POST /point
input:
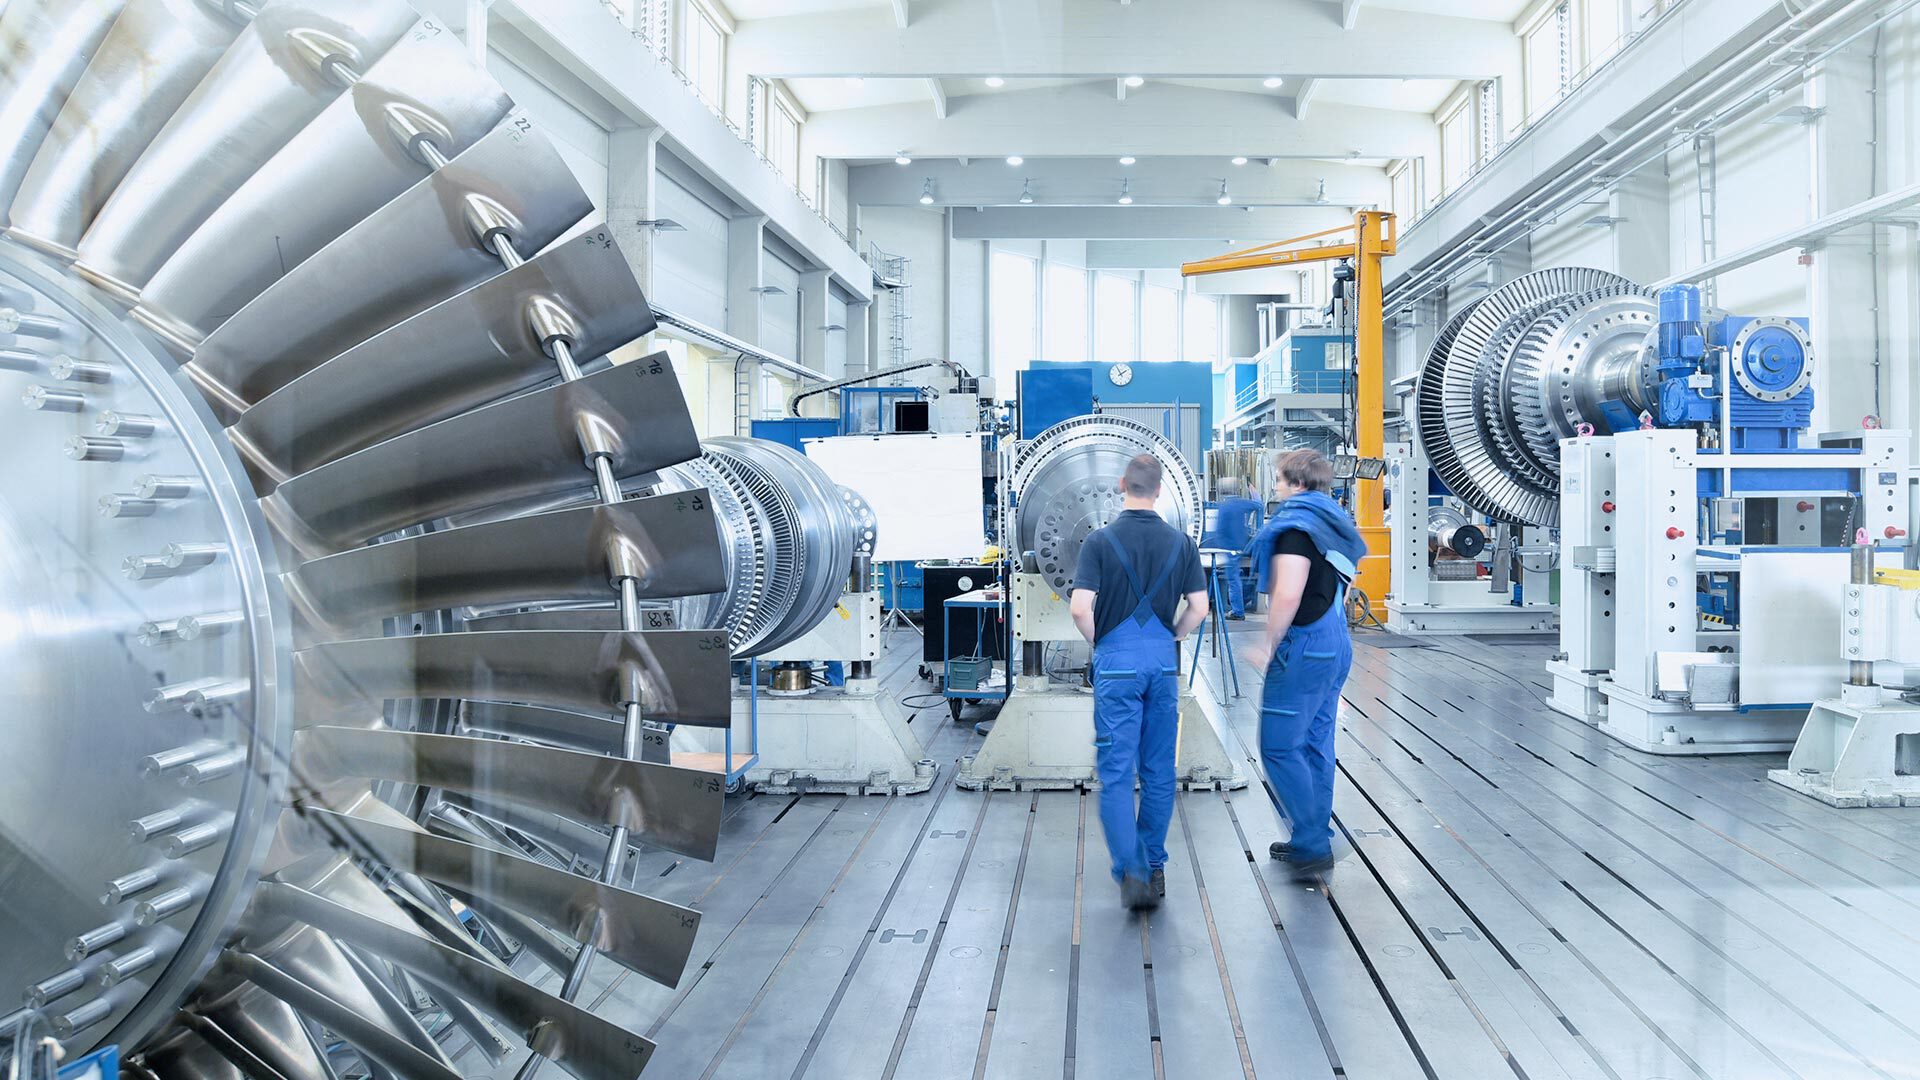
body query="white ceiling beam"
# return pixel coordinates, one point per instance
(1234, 224)
(1349, 14)
(1083, 120)
(1302, 97)
(900, 14)
(1152, 181)
(1101, 39)
(939, 98)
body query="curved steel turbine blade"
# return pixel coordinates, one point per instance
(583, 1044)
(156, 53)
(366, 1033)
(521, 448)
(425, 246)
(360, 152)
(555, 727)
(677, 676)
(47, 44)
(666, 543)
(650, 936)
(480, 345)
(280, 72)
(664, 805)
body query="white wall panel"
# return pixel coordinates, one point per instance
(690, 267)
(780, 312)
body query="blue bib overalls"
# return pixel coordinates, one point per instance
(1297, 707)
(1136, 725)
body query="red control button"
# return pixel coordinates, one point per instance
(1606, 507)
(1803, 506)
(1674, 532)
(1893, 531)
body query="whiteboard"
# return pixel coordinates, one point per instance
(924, 490)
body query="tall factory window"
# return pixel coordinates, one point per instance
(1456, 144)
(1159, 323)
(1547, 52)
(1202, 327)
(1014, 291)
(705, 57)
(1115, 318)
(1404, 179)
(1600, 31)
(1065, 317)
(783, 138)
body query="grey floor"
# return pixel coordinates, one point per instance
(1522, 897)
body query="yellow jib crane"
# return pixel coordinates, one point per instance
(1374, 237)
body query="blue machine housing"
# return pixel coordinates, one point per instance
(1771, 360)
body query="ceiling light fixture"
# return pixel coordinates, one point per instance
(1321, 196)
(1133, 81)
(1128, 160)
(1126, 198)
(926, 192)
(1026, 191)
(1016, 159)
(661, 225)
(902, 158)
(1224, 199)
(1271, 82)
(1240, 161)
(996, 81)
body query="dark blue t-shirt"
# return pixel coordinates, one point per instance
(1149, 541)
(1234, 523)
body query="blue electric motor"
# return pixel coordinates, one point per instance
(1771, 360)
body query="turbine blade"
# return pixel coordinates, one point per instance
(48, 44)
(352, 159)
(415, 252)
(278, 74)
(520, 448)
(583, 1044)
(677, 676)
(667, 543)
(152, 58)
(663, 805)
(574, 731)
(650, 936)
(365, 1032)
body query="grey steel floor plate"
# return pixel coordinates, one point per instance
(1520, 897)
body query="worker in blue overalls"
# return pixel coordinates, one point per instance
(1236, 518)
(1307, 553)
(1127, 587)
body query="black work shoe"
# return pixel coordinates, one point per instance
(1159, 882)
(1309, 869)
(1280, 851)
(1137, 894)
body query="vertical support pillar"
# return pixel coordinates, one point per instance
(746, 239)
(1841, 285)
(859, 336)
(813, 322)
(633, 183)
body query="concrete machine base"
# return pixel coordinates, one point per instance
(851, 739)
(1043, 739)
(1470, 619)
(1667, 727)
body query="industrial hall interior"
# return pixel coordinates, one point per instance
(959, 539)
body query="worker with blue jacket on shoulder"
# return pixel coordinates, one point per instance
(1307, 554)
(1236, 519)
(1128, 586)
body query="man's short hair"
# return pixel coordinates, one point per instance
(1308, 470)
(1142, 479)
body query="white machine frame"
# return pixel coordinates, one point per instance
(1418, 603)
(1634, 659)
(1863, 747)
